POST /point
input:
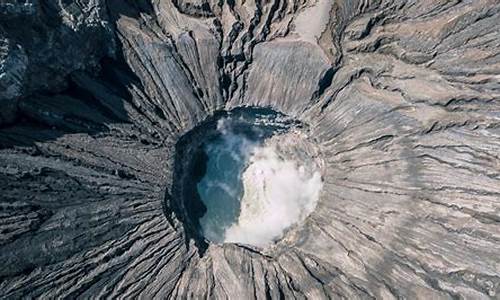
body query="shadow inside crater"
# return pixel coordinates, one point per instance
(190, 166)
(189, 212)
(201, 167)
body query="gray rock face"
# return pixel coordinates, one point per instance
(13, 61)
(42, 42)
(402, 98)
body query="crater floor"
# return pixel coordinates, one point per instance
(402, 105)
(246, 177)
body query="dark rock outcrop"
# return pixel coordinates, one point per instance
(403, 98)
(42, 42)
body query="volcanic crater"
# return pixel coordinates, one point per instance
(250, 149)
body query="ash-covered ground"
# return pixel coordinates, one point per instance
(401, 98)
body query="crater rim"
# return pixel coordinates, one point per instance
(180, 201)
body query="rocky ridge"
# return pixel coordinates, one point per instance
(402, 97)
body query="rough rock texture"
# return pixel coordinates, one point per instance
(42, 42)
(403, 98)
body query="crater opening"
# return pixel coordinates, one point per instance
(246, 176)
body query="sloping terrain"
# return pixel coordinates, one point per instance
(402, 97)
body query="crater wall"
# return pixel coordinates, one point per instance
(402, 98)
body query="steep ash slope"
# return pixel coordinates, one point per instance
(402, 97)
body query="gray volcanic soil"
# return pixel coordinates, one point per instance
(402, 97)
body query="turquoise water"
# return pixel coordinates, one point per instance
(221, 189)
(227, 150)
(225, 154)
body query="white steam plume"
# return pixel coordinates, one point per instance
(277, 194)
